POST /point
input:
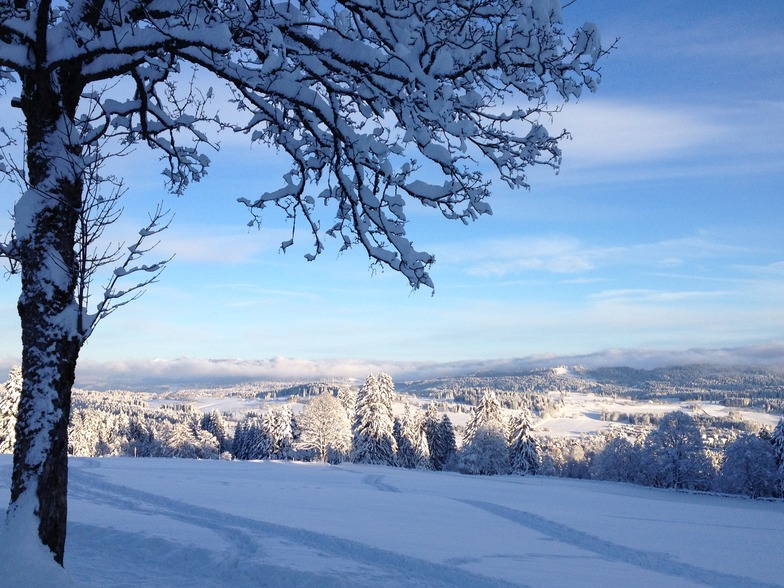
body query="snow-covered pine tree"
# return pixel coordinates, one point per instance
(183, 440)
(487, 453)
(412, 446)
(246, 440)
(386, 387)
(523, 453)
(430, 427)
(9, 404)
(258, 444)
(444, 445)
(83, 433)
(140, 437)
(486, 414)
(373, 439)
(777, 440)
(277, 428)
(213, 423)
(430, 422)
(348, 400)
(484, 435)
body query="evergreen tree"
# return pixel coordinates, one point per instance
(140, 437)
(244, 437)
(83, 433)
(183, 440)
(486, 414)
(373, 439)
(258, 444)
(278, 432)
(348, 400)
(777, 440)
(444, 444)
(486, 454)
(412, 446)
(430, 425)
(523, 454)
(9, 404)
(213, 423)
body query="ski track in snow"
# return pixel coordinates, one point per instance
(245, 564)
(648, 560)
(376, 481)
(124, 538)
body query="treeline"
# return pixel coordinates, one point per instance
(673, 455)
(676, 451)
(736, 387)
(464, 399)
(716, 429)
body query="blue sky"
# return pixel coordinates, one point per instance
(661, 233)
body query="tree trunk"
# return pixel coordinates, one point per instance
(45, 224)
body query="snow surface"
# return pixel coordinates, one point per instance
(169, 522)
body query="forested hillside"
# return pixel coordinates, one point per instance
(680, 428)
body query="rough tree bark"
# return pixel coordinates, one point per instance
(45, 224)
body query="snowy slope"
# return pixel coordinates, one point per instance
(150, 522)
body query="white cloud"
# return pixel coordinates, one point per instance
(654, 296)
(185, 372)
(560, 254)
(499, 257)
(612, 133)
(225, 245)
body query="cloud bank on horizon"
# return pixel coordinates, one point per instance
(196, 372)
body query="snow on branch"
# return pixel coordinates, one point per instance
(375, 103)
(115, 297)
(355, 93)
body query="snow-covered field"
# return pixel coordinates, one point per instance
(171, 523)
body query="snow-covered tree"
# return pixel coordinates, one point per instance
(240, 442)
(9, 404)
(412, 445)
(276, 427)
(324, 427)
(749, 468)
(673, 455)
(373, 439)
(618, 461)
(140, 437)
(486, 414)
(183, 440)
(487, 453)
(213, 423)
(251, 440)
(777, 440)
(443, 446)
(360, 95)
(348, 400)
(267, 437)
(523, 455)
